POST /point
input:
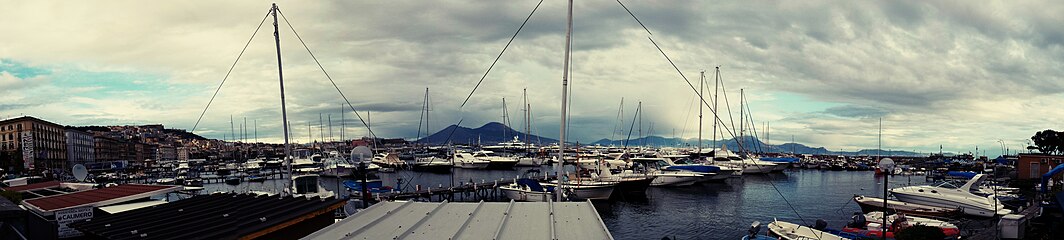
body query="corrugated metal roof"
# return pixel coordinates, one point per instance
(483, 220)
(96, 197)
(215, 216)
(35, 186)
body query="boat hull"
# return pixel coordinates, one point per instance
(966, 208)
(668, 180)
(871, 204)
(791, 231)
(523, 195)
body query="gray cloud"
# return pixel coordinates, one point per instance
(924, 65)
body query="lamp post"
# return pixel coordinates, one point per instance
(887, 166)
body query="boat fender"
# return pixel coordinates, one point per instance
(820, 224)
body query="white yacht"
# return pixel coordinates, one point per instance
(337, 167)
(950, 196)
(495, 161)
(526, 190)
(388, 160)
(654, 167)
(584, 189)
(307, 185)
(466, 160)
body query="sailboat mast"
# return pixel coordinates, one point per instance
(701, 80)
(716, 90)
(284, 112)
(565, 88)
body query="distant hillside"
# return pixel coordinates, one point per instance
(181, 133)
(490, 133)
(748, 142)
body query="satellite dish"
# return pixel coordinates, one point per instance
(360, 153)
(80, 172)
(886, 164)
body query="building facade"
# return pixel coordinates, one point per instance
(29, 143)
(109, 149)
(1032, 166)
(80, 147)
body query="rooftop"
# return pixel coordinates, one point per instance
(483, 220)
(215, 216)
(96, 197)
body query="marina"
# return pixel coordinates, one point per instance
(101, 172)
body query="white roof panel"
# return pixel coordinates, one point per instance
(483, 220)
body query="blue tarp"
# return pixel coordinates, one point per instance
(373, 186)
(1048, 175)
(780, 159)
(532, 184)
(964, 174)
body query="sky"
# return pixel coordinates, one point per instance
(938, 73)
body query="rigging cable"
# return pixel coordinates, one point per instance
(449, 135)
(374, 136)
(219, 89)
(707, 104)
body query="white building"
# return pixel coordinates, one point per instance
(79, 147)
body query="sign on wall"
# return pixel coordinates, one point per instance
(64, 217)
(27, 150)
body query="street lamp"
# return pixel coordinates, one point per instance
(886, 165)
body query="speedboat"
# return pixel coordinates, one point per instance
(388, 160)
(527, 190)
(337, 167)
(432, 164)
(495, 161)
(584, 189)
(307, 185)
(948, 196)
(791, 231)
(466, 160)
(872, 226)
(872, 204)
(653, 167)
(710, 172)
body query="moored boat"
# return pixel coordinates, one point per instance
(872, 204)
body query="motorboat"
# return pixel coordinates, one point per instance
(307, 185)
(233, 180)
(165, 181)
(466, 160)
(653, 167)
(872, 204)
(304, 166)
(256, 178)
(432, 164)
(872, 225)
(791, 231)
(388, 160)
(724, 158)
(948, 196)
(584, 189)
(495, 161)
(527, 190)
(710, 172)
(337, 167)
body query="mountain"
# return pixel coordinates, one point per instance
(749, 142)
(490, 133)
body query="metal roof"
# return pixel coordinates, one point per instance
(96, 197)
(483, 220)
(215, 216)
(34, 186)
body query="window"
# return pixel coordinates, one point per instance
(1035, 171)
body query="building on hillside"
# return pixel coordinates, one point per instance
(167, 152)
(80, 147)
(29, 143)
(109, 149)
(182, 153)
(1032, 166)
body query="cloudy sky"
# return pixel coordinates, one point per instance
(948, 73)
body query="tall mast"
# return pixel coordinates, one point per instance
(565, 88)
(343, 124)
(716, 87)
(742, 120)
(505, 119)
(284, 112)
(701, 80)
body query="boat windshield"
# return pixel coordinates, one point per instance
(947, 184)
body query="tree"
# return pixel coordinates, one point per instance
(1049, 141)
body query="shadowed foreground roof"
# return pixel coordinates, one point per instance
(483, 220)
(216, 216)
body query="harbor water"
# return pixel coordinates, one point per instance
(714, 210)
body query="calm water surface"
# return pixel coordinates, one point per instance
(721, 210)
